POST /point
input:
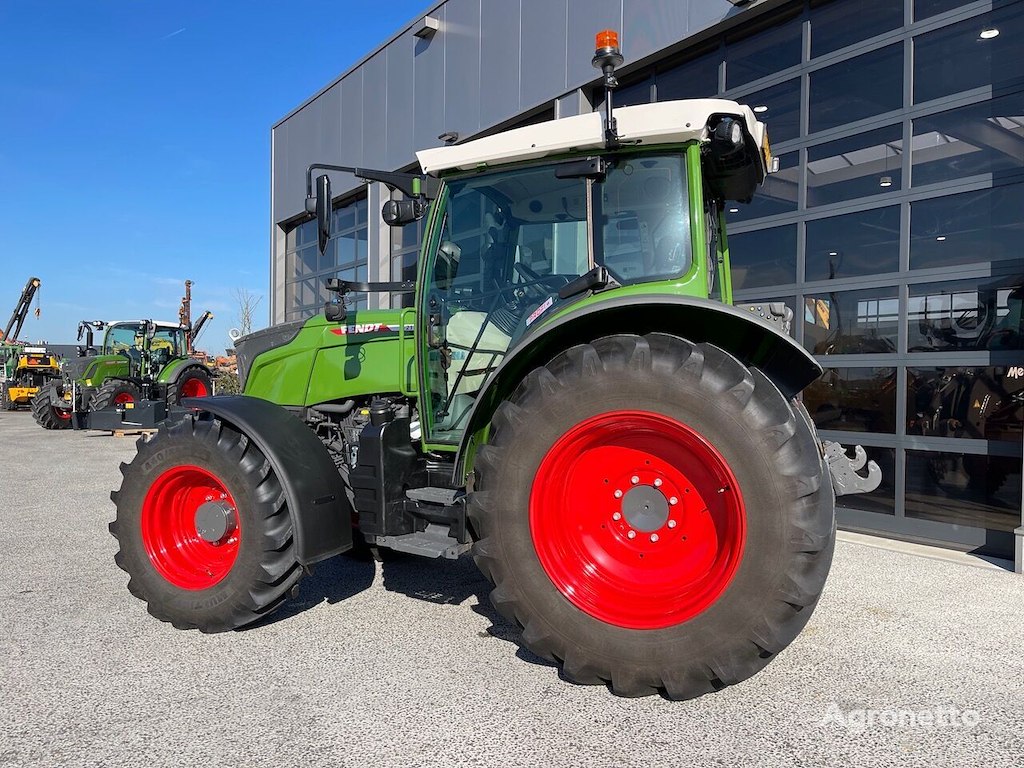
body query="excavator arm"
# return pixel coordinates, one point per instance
(17, 320)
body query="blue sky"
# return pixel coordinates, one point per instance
(135, 146)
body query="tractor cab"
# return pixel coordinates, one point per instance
(561, 217)
(148, 346)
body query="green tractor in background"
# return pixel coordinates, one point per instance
(573, 398)
(139, 361)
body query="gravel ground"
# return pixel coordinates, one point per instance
(406, 664)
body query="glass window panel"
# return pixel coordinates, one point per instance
(760, 304)
(851, 322)
(305, 233)
(765, 257)
(858, 166)
(972, 227)
(346, 248)
(857, 88)
(957, 57)
(839, 24)
(964, 489)
(865, 243)
(344, 218)
(966, 315)
(635, 93)
(925, 8)
(981, 138)
(305, 260)
(854, 400)
(694, 79)
(778, 193)
(762, 54)
(979, 402)
(882, 500)
(329, 258)
(779, 108)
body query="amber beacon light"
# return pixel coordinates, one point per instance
(607, 57)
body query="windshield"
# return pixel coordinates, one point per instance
(511, 239)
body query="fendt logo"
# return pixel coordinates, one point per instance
(350, 330)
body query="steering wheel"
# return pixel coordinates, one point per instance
(534, 287)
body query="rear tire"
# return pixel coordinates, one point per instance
(112, 393)
(185, 579)
(44, 410)
(718, 577)
(192, 382)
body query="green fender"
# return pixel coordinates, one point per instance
(170, 372)
(755, 342)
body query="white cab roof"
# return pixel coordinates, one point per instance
(666, 122)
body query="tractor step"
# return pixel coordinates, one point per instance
(432, 542)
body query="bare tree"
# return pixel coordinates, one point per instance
(246, 303)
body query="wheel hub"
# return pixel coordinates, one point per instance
(645, 508)
(215, 521)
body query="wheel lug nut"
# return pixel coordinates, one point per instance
(631, 535)
(618, 494)
(673, 501)
(617, 516)
(634, 479)
(671, 523)
(654, 537)
(657, 482)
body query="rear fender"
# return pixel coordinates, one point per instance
(319, 509)
(755, 342)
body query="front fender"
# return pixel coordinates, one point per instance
(753, 341)
(170, 372)
(319, 509)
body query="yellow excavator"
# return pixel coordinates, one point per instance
(23, 368)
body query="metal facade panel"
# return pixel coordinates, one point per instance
(351, 120)
(428, 57)
(499, 61)
(587, 18)
(461, 67)
(543, 42)
(279, 172)
(399, 97)
(650, 25)
(703, 14)
(300, 145)
(375, 111)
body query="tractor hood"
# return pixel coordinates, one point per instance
(250, 346)
(74, 367)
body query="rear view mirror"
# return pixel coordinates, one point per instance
(323, 211)
(150, 330)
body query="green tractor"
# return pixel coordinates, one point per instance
(573, 399)
(139, 362)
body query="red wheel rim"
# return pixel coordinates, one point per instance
(194, 388)
(123, 397)
(637, 519)
(169, 532)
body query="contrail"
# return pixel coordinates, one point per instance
(176, 32)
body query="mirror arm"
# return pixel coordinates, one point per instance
(410, 184)
(337, 285)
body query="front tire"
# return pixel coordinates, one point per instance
(114, 392)
(655, 515)
(45, 410)
(193, 382)
(203, 528)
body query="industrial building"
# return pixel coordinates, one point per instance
(894, 228)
